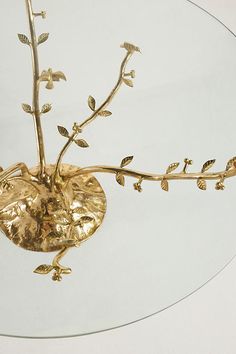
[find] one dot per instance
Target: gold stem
(93, 116)
(59, 256)
(154, 177)
(112, 94)
(60, 157)
(36, 84)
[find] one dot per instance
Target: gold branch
(152, 176)
(104, 105)
(141, 176)
(35, 107)
(77, 128)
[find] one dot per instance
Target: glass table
(154, 248)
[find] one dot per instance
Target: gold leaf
(46, 108)
(63, 131)
(43, 269)
(68, 270)
(43, 37)
(91, 103)
(126, 161)
(27, 108)
(230, 163)
(105, 114)
(128, 82)
(120, 179)
(172, 167)
(201, 183)
(82, 143)
(78, 210)
(130, 47)
(208, 165)
(84, 220)
(165, 185)
(23, 38)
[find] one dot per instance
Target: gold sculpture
(56, 207)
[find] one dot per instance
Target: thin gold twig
(103, 106)
(93, 116)
(60, 157)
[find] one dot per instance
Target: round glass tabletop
(154, 248)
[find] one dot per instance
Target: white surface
(202, 324)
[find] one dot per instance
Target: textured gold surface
(38, 219)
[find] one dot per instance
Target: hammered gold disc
(37, 219)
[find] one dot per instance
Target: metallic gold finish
(36, 85)
(43, 14)
(50, 77)
(138, 185)
(56, 207)
(37, 219)
(58, 269)
(187, 163)
(96, 112)
(156, 177)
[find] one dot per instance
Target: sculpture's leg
(4, 174)
(56, 267)
(59, 269)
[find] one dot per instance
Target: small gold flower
(220, 186)
(188, 162)
(76, 128)
(138, 185)
(43, 14)
(132, 74)
(56, 276)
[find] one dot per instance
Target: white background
(204, 323)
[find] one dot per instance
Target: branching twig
(103, 106)
(47, 75)
(201, 176)
(77, 128)
(152, 176)
(35, 107)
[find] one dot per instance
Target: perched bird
(50, 77)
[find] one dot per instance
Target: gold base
(37, 218)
